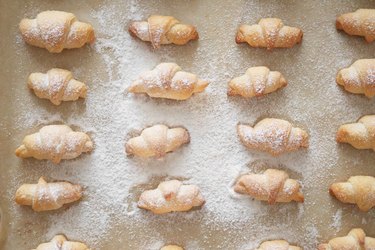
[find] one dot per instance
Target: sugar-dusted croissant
(55, 31)
(274, 136)
(257, 81)
(277, 245)
(355, 240)
(45, 196)
(171, 196)
(358, 23)
(171, 247)
(163, 30)
(360, 135)
(269, 33)
(60, 242)
(167, 80)
(157, 141)
(358, 190)
(272, 186)
(57, 85)
(55, 143)
(359, 78)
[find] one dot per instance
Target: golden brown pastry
(358, 190)
(355, 240)
(360, 135)
(277, 245)
(272, 186)
(269, 33)
(171, 247)
(157, 141)
(55, 143)
(59, 242)
(257, 81)
(57, 85)
(358, 23)
(171, 196)
(55, 31)
(45, 196)
(167, 80)
(163, 30)
(359, 78)
(273, 136)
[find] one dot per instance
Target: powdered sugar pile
(107, 217)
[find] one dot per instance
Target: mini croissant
(55, 143)
(359, 78)
(59, 242)
(157, 141)
(167, 80)
(57, 85)
(171, 196)
(274, 136)
(163, 30)
(47, 196)
(358, 23)
(360, 135)
(171, 247)
(257, 81)
(356, 239)
(358, 190)
(55, 31)
(269, 33)
(272, 186)
(277, 245)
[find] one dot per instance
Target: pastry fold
(271, 186)
(157, 141)
(55, 31)
(274, 136)
(358, 23)
(359, 78)
(356, 239)
(163, 30)
(269, 33)
(45, 196)
(57, 85)
(360, 135)
(257, 81)
(167, 80)
(55, 143)
(171, 196)
(358, 190)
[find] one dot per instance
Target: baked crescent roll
(45, 196)
(57, 85)
(167, 80)
(359, 78)
(163, 30)
(358, 23)
(55, 31)
(257, 81)
(358, 190)
(277, 245)
(157, 141)
(269, 33)
(171, 247)
(273, 136)
(356, 239)
(171, 196)
(360, 135)
(59, 242)
(55, 143)
(272, 186)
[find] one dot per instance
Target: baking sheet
(107, 217)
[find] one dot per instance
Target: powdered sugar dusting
(107, 217)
